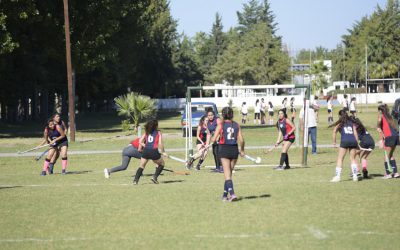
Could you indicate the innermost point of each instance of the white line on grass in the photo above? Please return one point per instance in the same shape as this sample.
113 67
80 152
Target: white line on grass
317 233
257 165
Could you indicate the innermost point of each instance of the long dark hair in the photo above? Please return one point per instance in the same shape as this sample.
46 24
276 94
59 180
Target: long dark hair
284 117
227 113
46 127
151 126
270 104
385 111
201 122
329 97
360 127
343 119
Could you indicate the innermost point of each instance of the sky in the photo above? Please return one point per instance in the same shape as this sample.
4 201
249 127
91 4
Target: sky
303 24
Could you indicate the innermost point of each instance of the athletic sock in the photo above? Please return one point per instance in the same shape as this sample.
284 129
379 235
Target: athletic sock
229 185
338 171
225 194
364 164
139 173
64 163
386 168
51 167
287 160
159 169
283 159
46 164
394 166
200 162
354 169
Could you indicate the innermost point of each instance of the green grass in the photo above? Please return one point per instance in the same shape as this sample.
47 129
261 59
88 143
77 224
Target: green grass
298 208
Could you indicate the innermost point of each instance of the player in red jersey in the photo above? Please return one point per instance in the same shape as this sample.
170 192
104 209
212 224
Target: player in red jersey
202 142
229 134
388 130
286 132
151 146
132 150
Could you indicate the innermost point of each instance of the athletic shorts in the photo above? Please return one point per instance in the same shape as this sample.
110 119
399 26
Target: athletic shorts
271 113
228 151
290 139
244 113
151 154
353 112
60 145
199 142
348 144
256 115
392 141
329 111
367 142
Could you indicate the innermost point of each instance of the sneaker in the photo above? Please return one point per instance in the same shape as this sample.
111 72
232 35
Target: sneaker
355 177
386 177
365 173
135 182
279 168
396 175
232 198
198 167
224 198
43 173
50 170
63 171
336 178
106 173
154 180
286 167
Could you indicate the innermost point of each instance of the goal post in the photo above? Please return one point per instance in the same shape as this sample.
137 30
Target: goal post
188 111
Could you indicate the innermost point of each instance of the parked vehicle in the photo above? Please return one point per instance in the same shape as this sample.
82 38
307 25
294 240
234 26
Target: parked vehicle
198 110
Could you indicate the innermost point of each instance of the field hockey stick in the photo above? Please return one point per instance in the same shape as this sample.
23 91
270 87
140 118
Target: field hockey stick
176 172
174 158
104 138
42 154
199 153
387 161
255 160
272 148
365 149
33 149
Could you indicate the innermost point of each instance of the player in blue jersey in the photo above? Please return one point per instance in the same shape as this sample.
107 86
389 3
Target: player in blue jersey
286 131
348 142
365 143
151 146
212 126
229 135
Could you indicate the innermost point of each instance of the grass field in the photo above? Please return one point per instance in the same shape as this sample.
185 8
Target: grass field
298 208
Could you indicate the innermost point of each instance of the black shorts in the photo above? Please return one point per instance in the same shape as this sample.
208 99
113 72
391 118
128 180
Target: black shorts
345 109
60 145
151 154
199 142
367 142
329 111
348 144
392 141
228 151
353 112
256 115
290 139
271 113
244 114
292 110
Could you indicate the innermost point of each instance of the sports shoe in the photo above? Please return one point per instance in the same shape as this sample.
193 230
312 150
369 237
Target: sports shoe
198 167
232 198
336 178
279 168
286 167
224 198
63 171
365 173
135 182
50 170
106 173
154 180
386 177
396 175
355 177
43 173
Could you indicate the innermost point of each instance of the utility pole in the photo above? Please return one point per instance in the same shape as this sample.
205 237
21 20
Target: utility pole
71 97
366 74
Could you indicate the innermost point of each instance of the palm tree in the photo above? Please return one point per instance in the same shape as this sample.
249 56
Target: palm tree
135 107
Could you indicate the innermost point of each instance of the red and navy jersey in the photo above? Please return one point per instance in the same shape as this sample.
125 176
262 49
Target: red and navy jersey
387 129
212 126
135 143
229 133
347 133
203 134
285 127
151 140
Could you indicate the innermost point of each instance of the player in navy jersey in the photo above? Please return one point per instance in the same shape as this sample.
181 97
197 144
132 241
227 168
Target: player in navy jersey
51 155
151 146
62 142
286 132
387 129
212 126
365 141
348 142
132 150
203 139
229 135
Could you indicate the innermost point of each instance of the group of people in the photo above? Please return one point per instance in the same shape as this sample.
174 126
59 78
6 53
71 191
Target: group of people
55 135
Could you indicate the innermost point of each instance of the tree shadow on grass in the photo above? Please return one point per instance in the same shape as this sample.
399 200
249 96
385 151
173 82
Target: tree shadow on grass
8 187
78 172
170 182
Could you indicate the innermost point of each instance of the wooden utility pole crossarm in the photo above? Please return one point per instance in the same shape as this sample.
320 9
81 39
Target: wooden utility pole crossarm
71 97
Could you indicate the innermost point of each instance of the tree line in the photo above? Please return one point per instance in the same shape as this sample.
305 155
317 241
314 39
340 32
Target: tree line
122 46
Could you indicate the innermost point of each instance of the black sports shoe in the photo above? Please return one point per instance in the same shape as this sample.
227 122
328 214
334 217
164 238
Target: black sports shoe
154 180
365 173
286 167
198 167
